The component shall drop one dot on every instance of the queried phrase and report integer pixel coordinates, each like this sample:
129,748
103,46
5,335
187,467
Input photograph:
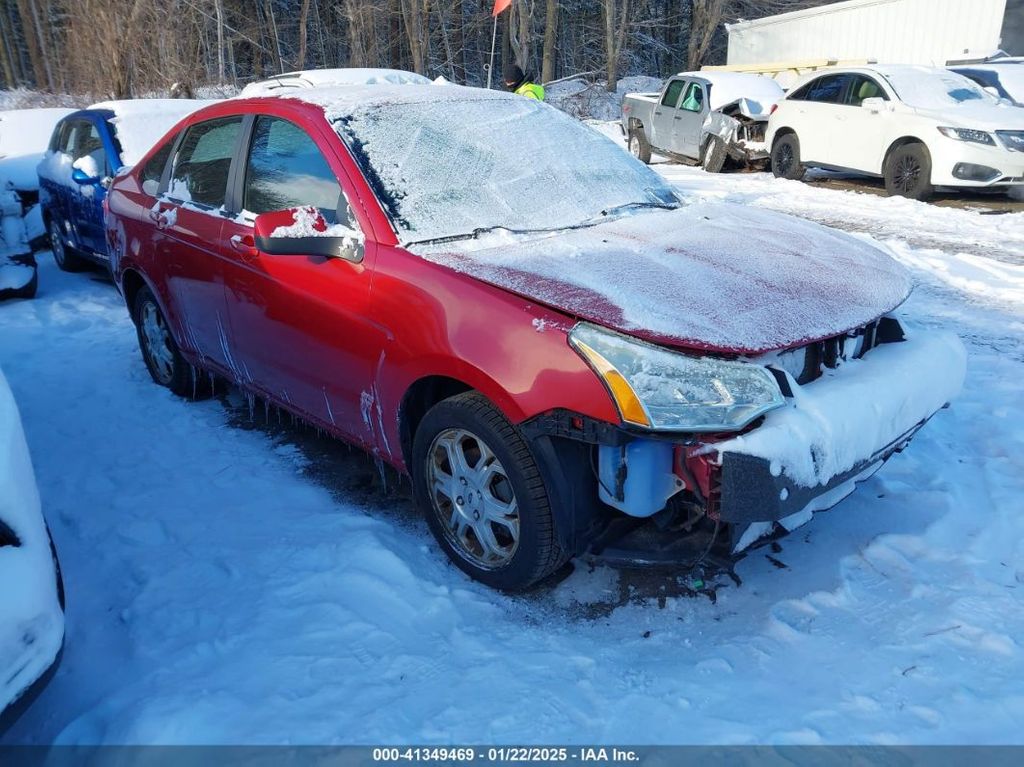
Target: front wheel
479,487
713,157
786,158
908,172
160,352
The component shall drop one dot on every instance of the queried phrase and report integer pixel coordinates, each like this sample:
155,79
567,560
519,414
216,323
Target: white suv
917,127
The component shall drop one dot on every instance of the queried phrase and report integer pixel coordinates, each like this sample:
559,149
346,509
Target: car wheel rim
785,158
472,498
157,342
56,243
908,171
634,147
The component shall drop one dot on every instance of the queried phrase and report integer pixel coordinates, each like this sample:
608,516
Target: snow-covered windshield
925,88
451,167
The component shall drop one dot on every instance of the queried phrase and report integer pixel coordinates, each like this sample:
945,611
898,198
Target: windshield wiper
628,205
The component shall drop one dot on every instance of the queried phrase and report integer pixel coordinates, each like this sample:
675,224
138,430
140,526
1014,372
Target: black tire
64,255
786,158
712,159
639,146
471,419
166,365
908,172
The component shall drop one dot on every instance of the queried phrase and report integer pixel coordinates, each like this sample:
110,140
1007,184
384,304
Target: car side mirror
874,104
79,176
305,232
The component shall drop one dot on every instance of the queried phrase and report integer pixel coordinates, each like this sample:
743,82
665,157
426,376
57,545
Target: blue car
86,150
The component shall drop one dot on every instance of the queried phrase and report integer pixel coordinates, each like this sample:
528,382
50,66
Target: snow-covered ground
232,581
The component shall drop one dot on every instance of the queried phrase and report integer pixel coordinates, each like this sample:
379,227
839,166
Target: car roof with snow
317,78
140,123
340,99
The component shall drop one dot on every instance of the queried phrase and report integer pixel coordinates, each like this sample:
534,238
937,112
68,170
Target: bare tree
547,71
616,23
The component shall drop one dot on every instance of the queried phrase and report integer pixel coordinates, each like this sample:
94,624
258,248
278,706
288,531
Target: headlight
969,134
666,391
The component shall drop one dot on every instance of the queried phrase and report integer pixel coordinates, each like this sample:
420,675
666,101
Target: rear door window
286,170
672,93
153,170
200,174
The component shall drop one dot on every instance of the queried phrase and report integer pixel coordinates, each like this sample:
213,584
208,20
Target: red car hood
707,276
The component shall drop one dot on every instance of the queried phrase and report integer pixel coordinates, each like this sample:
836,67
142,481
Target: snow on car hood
707,276
978,115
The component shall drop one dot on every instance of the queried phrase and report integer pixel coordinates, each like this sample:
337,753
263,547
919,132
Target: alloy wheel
785,159
908,171
157,340
472,497
57,244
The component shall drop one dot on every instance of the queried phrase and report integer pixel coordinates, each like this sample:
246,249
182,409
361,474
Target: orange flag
500,5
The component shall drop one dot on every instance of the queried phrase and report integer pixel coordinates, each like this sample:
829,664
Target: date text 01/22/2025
499,754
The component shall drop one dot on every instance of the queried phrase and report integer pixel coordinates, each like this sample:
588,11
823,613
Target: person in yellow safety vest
520,84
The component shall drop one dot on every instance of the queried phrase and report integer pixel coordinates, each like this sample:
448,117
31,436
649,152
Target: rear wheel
714,154
479,487
65,256
160,352
908,172
639,146
786,158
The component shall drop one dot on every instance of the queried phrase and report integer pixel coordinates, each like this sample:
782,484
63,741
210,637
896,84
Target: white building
931,32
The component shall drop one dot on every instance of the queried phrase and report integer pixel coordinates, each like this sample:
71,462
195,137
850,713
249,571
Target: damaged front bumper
806,456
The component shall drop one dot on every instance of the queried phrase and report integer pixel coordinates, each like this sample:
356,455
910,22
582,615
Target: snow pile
24,136
56,167
449,161
704,275
857,409
141,123
31,622
585,100
308,222
88,165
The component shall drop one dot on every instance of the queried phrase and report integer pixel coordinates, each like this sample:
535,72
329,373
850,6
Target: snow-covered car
916,127
702,117
553,353
23,138
31,590
1004,78
86,149
329,78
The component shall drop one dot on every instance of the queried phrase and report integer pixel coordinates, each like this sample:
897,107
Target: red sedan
497,300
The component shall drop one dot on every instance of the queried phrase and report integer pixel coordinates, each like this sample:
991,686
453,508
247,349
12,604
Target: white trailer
930,32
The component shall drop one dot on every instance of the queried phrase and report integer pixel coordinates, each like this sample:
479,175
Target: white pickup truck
703,118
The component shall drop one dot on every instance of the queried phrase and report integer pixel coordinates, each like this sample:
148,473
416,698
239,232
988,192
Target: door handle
160,217
657,111
677,117
244,244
